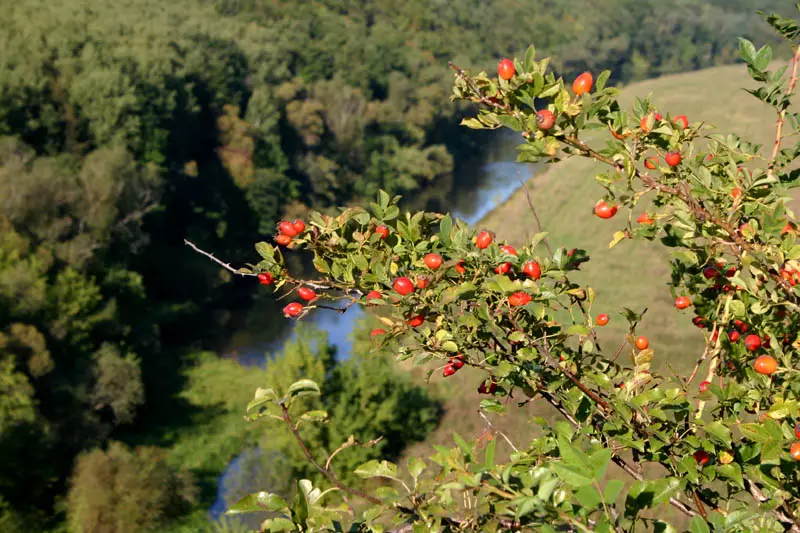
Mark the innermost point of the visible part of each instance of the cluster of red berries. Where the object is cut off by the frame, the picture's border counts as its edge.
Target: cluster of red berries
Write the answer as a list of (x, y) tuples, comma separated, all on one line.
[(453, 365), (405, 286), (295, 308), (288, 230), (545, 119)]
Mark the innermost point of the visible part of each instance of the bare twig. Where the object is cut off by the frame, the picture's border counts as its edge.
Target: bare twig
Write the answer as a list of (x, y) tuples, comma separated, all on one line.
[(349, 443), (226, 266), (505, 437), (533, 212)]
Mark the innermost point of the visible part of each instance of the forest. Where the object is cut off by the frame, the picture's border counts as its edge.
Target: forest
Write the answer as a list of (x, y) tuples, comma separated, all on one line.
[(127, 127)]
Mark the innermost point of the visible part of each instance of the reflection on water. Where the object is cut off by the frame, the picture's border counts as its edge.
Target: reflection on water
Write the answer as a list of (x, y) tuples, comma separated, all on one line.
[(473, 192)]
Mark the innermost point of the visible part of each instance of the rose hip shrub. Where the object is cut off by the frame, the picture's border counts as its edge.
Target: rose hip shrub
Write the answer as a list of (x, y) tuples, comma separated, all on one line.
[(720, 444)]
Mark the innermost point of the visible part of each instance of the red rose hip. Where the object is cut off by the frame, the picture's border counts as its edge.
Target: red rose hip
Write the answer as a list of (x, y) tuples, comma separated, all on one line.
[(506, 69), (433, 261), (403, 286), (306, 294), (532, 270), (583, 83), (293, 309), (673, 158), (545, 119)]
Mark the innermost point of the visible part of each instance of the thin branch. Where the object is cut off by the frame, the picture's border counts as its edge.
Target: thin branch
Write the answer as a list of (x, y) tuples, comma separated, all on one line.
[(465, 77), (489, 423), (323, 470), (226, 266), (776, 145), (349, 443), (533, 211)]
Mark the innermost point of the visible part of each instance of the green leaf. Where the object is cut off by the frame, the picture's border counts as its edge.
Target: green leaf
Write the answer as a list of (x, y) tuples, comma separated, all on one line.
[(492, 406), (612, 490), (314, 416), (530, 57), (445, 229), (599, 462), (698, 525), (304, 387), (277, 524), (719, 431), (415, 466), (489, 460), (262, 396), (644, 494), (588, 497), (258, 502), (265, 250), (376, 468), (466, 448), (601, 80), (574, 476), (738, 308), (747, 50), (577, 329), (449, 346)]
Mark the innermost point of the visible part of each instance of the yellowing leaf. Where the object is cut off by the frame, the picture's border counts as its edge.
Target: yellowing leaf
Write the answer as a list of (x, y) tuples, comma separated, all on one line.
[(618, 236)]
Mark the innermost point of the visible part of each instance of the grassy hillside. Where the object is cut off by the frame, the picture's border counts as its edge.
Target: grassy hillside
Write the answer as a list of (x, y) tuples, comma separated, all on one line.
[(633, 274)]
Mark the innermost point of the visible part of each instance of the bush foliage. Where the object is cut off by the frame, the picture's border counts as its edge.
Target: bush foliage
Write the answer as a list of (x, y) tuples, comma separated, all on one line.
[(718, 446)]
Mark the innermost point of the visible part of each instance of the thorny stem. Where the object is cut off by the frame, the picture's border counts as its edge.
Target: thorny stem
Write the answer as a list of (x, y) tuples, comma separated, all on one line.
[(463, 75), (776, 145)]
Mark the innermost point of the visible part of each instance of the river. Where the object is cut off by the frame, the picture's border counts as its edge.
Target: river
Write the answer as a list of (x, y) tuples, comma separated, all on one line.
[(474, 192)]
